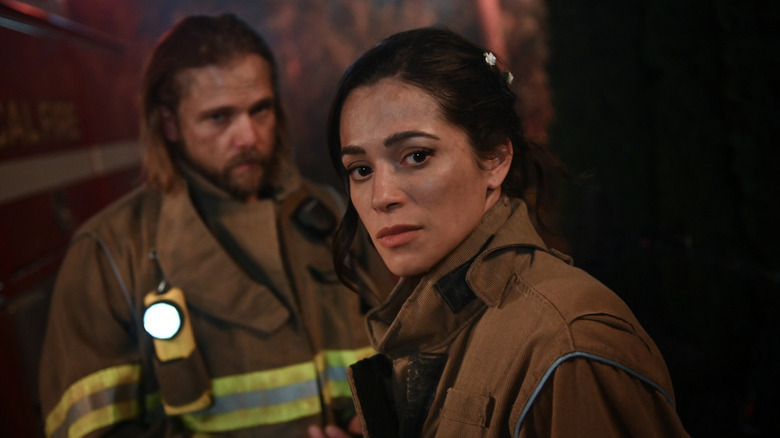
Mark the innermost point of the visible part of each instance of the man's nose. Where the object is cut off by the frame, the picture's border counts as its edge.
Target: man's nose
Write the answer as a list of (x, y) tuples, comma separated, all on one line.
[(244, 132)]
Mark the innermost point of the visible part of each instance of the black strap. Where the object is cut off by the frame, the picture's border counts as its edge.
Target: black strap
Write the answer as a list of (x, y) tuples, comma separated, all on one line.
[(372, 383)]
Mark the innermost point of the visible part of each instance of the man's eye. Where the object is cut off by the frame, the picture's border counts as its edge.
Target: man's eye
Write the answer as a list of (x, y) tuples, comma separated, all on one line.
[(218, 117), (261, 108)]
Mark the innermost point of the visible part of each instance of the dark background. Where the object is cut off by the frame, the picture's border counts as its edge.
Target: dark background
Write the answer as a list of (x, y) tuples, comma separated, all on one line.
[(666, 115), (664, 112)]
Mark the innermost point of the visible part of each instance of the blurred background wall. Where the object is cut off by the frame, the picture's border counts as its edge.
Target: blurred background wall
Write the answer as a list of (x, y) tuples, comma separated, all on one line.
[(664, 113)]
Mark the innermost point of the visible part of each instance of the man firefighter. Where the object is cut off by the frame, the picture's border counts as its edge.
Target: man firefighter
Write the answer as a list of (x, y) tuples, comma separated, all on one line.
[(205, 302)]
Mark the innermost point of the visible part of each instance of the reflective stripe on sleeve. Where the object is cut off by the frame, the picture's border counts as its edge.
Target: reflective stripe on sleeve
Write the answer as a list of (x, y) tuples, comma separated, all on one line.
[(100, 399), (277, 395), (259, 398), (240, 401), (105, 416), (334, 364)]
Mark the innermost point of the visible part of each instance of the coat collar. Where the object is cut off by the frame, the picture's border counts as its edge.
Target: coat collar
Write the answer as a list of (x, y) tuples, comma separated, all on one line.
[(286, 182), (425, 313), (187, 248), (493, 267)]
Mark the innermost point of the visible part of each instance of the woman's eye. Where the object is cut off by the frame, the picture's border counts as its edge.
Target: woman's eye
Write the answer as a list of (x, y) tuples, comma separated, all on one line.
[(416, 158), (360, 172)]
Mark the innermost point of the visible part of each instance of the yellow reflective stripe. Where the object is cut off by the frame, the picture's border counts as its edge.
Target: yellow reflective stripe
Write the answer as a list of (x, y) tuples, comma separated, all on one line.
[(322, 366), (105, 416), (258, 416), (259, 398), (339, 389), (91, 384), (332, 364), (277, 395), (261, 380), (345, 358), (288, 391), (338, 361)]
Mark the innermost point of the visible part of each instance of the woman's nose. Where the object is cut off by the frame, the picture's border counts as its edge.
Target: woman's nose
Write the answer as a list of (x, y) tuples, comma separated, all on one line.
[(387, 194)]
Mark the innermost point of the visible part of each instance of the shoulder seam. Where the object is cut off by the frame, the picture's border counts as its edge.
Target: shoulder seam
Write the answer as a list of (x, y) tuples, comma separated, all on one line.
[(114, 269), (596, 358)]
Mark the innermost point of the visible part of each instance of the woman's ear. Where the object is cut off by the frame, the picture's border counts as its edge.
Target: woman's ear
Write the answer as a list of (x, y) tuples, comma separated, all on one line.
[(498, 167), (170, 128)]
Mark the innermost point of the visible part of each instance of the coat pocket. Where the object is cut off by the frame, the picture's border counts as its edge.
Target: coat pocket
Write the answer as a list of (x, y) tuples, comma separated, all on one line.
[(465, 414)]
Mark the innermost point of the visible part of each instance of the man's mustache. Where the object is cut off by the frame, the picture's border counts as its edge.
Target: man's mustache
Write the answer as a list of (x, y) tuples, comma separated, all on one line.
[(248, 157)]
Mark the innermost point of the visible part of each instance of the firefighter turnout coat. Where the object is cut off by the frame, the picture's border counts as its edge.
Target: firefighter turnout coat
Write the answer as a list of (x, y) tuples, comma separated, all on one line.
[(267, 331), (505, 338)]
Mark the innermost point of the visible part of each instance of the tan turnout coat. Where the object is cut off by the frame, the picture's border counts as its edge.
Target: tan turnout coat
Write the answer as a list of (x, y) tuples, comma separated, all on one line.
[(274, 327), (505, 338)]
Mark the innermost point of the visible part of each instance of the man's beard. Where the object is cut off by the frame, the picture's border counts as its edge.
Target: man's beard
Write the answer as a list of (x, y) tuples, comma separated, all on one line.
[(256, 182)]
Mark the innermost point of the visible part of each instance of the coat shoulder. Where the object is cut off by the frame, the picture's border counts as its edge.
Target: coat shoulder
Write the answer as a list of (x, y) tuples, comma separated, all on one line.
[(129, 217), (562, 309)]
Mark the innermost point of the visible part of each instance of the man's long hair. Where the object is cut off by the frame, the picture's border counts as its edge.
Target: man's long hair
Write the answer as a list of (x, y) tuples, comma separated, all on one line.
[(194, 42)]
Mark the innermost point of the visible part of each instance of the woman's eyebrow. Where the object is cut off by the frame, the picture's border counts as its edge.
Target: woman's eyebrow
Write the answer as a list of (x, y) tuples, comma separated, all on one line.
[(389, 141), (403, 135), (352, 150)]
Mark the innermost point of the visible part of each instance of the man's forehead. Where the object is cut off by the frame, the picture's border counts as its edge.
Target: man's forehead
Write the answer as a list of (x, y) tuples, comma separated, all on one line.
[(239, 74)]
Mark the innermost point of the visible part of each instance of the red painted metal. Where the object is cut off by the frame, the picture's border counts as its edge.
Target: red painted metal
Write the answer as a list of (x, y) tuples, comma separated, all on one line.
[(63, 87), (66, 88)]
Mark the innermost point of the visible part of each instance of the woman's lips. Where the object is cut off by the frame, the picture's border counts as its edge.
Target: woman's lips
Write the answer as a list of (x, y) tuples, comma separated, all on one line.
[(397, 235)]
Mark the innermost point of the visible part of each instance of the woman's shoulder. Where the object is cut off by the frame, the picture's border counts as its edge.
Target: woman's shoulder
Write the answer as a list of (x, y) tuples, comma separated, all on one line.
[(522, 277), (545, 284), (572, 291), (563, 310), (517, 261)]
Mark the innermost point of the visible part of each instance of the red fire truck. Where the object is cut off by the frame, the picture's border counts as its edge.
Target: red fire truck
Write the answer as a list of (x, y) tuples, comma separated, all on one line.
[(68, 146)]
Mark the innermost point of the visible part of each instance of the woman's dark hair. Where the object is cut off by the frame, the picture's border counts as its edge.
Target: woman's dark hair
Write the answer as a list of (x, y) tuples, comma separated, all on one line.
[(472, 94)]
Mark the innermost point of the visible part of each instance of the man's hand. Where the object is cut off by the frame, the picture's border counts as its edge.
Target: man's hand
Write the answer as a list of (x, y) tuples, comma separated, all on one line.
[(353, 430)]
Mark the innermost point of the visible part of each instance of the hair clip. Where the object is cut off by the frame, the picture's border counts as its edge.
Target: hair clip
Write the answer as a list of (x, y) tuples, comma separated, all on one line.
[(490, 58)]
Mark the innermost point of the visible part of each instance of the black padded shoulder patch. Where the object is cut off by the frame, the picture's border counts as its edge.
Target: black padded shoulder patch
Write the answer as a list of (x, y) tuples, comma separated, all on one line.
[(314, 217)]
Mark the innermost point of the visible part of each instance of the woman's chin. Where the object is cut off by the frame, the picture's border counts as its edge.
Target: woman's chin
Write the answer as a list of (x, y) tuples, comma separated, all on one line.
[(407, 269)]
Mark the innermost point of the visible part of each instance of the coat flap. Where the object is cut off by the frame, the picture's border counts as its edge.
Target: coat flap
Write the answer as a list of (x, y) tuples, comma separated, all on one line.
[(186, 250), (371, 383)]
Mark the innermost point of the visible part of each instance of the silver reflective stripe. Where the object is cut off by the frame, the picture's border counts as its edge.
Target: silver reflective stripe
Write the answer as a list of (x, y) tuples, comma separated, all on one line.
[(94, 402), (336, 373), (265, 397), (577, 354)]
